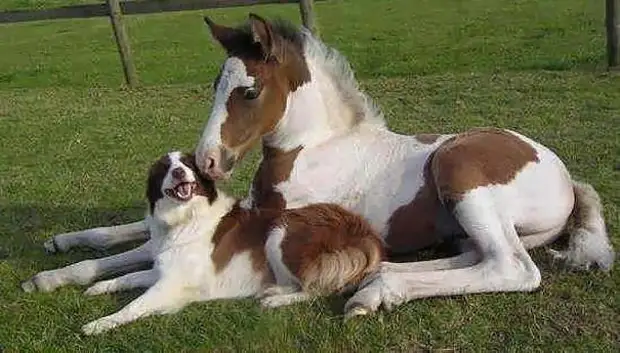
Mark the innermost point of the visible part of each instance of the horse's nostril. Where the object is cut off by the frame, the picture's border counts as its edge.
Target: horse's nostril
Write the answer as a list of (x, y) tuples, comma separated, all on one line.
[(178, 173), (210, 163)]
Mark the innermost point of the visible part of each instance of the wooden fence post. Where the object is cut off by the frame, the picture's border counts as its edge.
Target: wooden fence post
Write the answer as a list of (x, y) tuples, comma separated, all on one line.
[(613, 27), (307, 16), (122, 42)]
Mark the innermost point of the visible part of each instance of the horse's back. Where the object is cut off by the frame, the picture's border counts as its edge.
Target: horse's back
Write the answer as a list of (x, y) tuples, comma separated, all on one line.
[(529, 184)]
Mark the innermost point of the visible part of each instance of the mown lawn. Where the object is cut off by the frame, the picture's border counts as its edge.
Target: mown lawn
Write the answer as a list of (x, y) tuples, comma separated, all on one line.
[(75, 146)]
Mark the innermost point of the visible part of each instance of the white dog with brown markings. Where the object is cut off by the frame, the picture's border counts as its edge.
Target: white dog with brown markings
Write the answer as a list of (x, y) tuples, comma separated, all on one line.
[(204, 247)]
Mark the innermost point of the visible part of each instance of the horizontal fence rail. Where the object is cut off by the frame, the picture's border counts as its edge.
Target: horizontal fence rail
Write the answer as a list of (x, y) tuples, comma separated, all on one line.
[(128, 8)]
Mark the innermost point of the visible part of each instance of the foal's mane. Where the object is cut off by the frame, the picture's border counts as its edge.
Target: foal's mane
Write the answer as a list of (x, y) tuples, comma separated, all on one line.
[(334, 64)]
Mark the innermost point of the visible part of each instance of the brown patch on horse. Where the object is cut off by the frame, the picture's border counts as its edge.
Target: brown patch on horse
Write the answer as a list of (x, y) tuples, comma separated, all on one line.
[(273, 54), (327, 247), (427, 139), (250, 119), (275, 168), (479, 157), (239, 231), (413, 226)]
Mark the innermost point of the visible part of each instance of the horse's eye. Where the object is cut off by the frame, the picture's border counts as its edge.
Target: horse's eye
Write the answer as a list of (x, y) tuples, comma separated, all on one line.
[(251, 93)]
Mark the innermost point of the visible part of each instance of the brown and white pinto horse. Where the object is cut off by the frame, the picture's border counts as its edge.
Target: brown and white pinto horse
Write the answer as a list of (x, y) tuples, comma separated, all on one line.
[(324, 141)]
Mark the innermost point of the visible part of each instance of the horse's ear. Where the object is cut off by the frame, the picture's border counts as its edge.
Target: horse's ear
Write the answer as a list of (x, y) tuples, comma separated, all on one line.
[(224, 35), (270, 42)]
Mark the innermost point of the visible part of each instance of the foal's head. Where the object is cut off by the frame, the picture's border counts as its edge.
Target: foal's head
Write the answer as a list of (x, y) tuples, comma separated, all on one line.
[(265, 64)]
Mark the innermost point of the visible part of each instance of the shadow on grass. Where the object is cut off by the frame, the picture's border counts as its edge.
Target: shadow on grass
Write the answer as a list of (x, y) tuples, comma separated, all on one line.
[(24, 228)]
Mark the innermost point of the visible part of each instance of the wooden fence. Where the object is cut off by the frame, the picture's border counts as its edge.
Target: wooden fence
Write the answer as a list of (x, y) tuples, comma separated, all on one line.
[(612, 26), (115, 9)]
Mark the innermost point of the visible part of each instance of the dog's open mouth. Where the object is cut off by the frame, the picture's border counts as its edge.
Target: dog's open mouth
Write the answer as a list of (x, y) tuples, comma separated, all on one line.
[(182, 191)]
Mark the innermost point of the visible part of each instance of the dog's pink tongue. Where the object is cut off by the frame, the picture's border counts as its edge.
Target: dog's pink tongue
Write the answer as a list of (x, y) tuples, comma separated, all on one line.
[(184, 190)]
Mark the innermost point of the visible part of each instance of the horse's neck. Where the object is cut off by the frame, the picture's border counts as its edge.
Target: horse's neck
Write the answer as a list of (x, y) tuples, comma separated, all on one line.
[(315, 113), (274, 168)]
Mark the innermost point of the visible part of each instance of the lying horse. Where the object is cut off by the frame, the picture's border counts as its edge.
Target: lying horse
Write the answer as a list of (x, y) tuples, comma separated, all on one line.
[(324, 141)]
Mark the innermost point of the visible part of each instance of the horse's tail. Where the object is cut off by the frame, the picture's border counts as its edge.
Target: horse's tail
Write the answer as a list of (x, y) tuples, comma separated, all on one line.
[(340, 269), (588, 241)]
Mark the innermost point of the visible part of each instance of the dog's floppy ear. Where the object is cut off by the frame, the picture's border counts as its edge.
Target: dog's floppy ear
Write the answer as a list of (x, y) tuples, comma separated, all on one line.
[(155, 179)]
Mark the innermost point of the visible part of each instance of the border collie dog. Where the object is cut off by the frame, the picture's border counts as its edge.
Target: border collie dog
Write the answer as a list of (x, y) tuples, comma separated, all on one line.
[(205, 246)]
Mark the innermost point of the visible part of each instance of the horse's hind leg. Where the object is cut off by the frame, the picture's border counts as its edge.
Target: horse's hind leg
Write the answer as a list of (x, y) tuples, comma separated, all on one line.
[(85, 272), (504, 264), (98, 238)]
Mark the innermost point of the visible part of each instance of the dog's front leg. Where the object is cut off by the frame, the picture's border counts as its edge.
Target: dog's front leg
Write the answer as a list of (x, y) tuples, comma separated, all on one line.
[(162, 298), (98, 238), (141, 279), (85, 272)]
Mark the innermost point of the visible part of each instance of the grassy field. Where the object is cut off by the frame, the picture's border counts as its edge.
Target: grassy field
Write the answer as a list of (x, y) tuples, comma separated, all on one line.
[(76, 145)]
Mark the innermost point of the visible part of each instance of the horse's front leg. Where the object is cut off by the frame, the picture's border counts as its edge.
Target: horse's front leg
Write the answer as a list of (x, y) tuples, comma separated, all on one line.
[(85, 272), (163, 298), (98, 238)]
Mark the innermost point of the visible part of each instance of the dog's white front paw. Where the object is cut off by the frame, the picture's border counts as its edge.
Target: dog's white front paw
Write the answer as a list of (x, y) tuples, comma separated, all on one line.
[(99, 288), (50, 246), (45, 281), (98, 326)]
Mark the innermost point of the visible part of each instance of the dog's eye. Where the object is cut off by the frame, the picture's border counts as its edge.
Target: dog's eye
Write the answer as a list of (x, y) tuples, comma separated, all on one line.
[(251, 93)]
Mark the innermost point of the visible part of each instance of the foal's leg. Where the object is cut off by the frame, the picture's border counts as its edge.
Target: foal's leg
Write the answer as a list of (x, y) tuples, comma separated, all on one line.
[(162, 298), (505, 264), (87, 271), (98, 238), (466, 259), (140, 279), (287, 289)]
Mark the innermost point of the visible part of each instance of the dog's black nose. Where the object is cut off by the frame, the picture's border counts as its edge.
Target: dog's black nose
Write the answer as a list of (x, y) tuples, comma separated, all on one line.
[(178, 173)]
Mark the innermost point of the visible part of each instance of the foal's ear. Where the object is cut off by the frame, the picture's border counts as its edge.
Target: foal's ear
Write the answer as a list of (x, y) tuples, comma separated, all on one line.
[(224, 35), (263, 34)]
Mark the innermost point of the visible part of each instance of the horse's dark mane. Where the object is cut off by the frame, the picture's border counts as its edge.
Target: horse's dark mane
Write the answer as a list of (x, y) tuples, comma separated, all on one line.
[(246, 47)]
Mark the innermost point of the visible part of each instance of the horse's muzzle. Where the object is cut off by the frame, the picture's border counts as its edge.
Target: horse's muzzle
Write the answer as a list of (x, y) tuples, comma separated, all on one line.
[(216, 163)]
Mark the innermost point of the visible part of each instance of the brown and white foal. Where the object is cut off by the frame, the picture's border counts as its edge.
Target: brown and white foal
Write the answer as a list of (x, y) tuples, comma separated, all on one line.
[(503, 191), (205, 247)]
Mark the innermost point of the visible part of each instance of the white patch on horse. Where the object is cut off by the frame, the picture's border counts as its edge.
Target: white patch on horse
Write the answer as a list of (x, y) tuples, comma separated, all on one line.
[(327, 106), (350, 162), (273, 252), (234, 74)]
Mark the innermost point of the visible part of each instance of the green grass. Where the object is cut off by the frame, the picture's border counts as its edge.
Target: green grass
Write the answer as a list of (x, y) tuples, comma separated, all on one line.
[(75, 149)]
